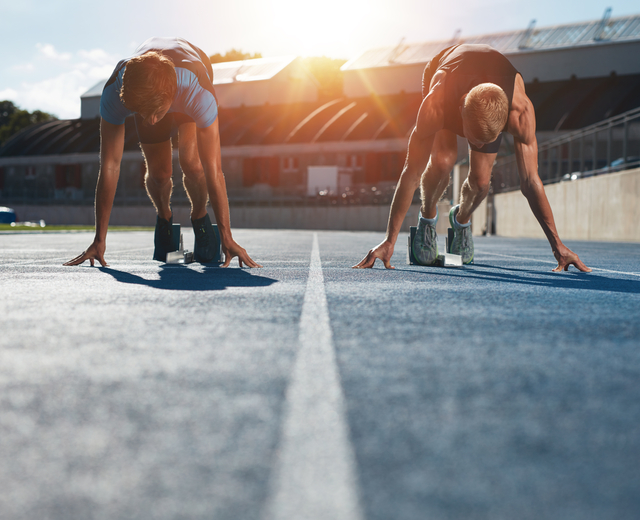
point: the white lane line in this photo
(556, 263)
(315, 477)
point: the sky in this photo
(55, 50)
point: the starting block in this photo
(217, 259)
(179, 256)
(182, 256)
(447, 259)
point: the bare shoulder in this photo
(522, 117)
(431, 114)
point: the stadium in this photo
(275, 131)
(286, 367)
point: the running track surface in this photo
(308, 389)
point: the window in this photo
(355, 161)
(290, 164)
(68, 176)
(385, 166)
(260, 170)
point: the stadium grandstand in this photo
(274, 126)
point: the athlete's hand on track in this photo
(383, 251)
(566, 257)
(234, 250)
(94, 252)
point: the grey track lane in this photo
(500, 390)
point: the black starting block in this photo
(447, 259)
(182, 256)
(176, 236)
(218, 258)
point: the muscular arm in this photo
(429, 122)
(111, 149)
(209, 150)
(526, 149)
(522, 125)
(419, 150)
(210, 156)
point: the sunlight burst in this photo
(319, 28)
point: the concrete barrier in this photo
(346, 218)
(606, 207)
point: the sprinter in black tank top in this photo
(468, 66)
(472, 91)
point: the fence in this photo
(609, 146)
(40, 194)
(75, 184)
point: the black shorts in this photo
(427, 76)
(163, 130)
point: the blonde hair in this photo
(149, 82)
(487, 108)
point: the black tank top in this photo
(467, 66)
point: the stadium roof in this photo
(249, 70)
(304, 123)
(597, 32)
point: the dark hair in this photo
(148, 83)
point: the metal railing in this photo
(609, 146)
(45, 194)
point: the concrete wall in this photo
(606, 208)
(383, 81)
(291, 85)
(277, 91)
(479, 220)
(89, 107)
(348, 218)
(594, 60)
(589, 61)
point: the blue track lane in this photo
(499, 390)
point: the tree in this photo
(7, 109)
(327, 73)
(234, 55)
(13, 119)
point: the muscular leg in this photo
(476, 186)
(157, 179)
(193, 178)
(435, 178)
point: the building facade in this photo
(273, 126)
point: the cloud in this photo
(59, 95)
(60, 90)
(96, 56)
(8, 93)
(24, 67)
(49, 51)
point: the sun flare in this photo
(318, 28)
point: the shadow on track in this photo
(181, 278)
(570, 280)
